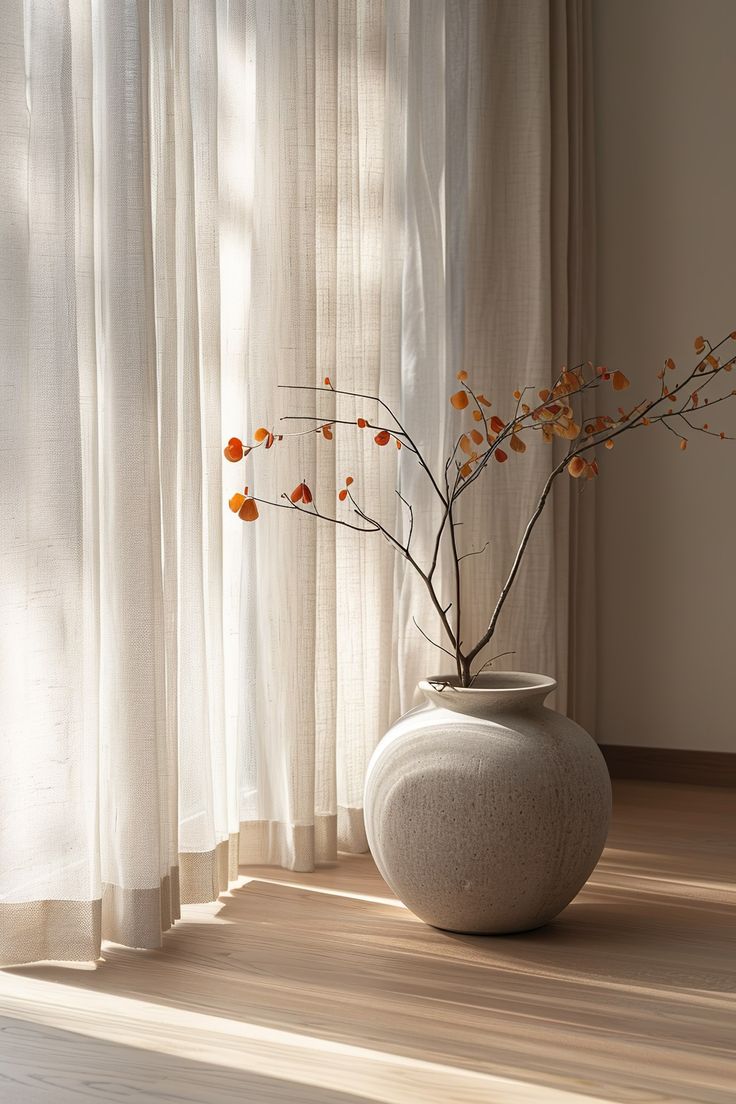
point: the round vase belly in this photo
(485, 811)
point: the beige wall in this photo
(666, 165)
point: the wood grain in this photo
(323, 989)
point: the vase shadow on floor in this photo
(647, 943)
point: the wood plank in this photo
(323, 988)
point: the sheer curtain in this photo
(203, 201)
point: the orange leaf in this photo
(500, 455)
(327, 433)
(343, 494)
(683, 444)
(569, 431)
(478, 417)
(298, 493)
(236, 502)
(462, 376)
(713, 361)
(459, 400)
(476, 436)
(307, 494)
(249, 510)
(383, 437)
(327, 382)
(517, 395)
(699, 344)
(544, 395)
(620, 382)
(576, 467)
(483, 400)
(233, 450)
(465, 471)
(270, 440)
(496, 424)
(669, 363)
(609, 444)
(260, 434)
(348, 481)
(517, 444)
(398, 443)
(465, 444)
(591, 469)
(362, 423)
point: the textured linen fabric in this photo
(204, 201)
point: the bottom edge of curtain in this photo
(204, 875)
(301, 847)
(73, 931)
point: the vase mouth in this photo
(492, 692)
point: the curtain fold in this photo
(205, 202)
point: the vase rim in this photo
(492, 682)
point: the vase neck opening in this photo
(491, 693)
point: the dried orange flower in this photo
(249, 510)
(459, 400)
(234, 450)
(301, 493)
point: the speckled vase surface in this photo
(485, 811)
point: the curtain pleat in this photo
(208, 208)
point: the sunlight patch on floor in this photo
(302, 1059)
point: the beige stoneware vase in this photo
(486, 811)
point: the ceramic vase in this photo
(486, 811)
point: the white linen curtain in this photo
(203, 201)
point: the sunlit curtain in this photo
(202, 202)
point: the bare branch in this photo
(430, 641)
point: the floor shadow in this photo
(45, 1065)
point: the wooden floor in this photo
(323, 989)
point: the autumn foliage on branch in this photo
(681, 404)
